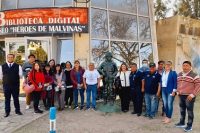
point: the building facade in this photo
(124, 27)
(179, 40)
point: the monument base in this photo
(109, 107)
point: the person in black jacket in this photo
(11, 74)
(68, 85)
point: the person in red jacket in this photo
(36, 77)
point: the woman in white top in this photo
(125, 87)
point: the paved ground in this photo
(14, 122)
(69, 121)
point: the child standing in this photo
(59, 88)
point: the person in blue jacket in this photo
(169, 86)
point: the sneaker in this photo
(87, 109)
(70, 107)
(146, 115)
(151, 117)
(76, 107)
(27, 107)
(187, 129)
(180, 125)
(94, 109)
(81, 107)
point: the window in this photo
(143, 8)
(144, 29)
(63, 2)
(123, 26)
(67, 50)
(98, 50)
(99, 23)
(8, 4)
(99, 3)
(146, 52)
(127, 52)
(182, 29)
(35, 3)
(123, 5)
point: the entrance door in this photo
(22, 47)
(65, 50)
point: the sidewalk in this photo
(14, 122)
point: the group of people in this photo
(147, 84)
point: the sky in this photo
(170, 5)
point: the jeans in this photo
(151, 101)
(91, 89)
(81, 91)
(189, 105)
(168, 101)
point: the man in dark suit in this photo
(11, 73)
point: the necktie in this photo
(10, 65)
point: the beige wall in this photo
(82, 48)
(166, 38)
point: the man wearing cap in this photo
(188, 87)
(152, 90)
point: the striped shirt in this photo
(188, 84)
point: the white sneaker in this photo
(70, 107)
(27, 107)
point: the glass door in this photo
(16, 46)
(40, 47)
(65, 50)
(22, 47)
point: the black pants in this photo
(36, 98)
(184, 104)
(125, 98)
(69, 96)
(48, 100)
(11, 90)
(137, 99)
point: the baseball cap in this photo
(152, 64)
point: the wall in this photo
(166, 38)
(82, 48)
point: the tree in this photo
(188, 8)
(21, 49)
(160, 9)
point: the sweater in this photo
(37, 78)
(188, 84)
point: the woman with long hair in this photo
(48, 93)
(125, 87)
(36, 77)
(68, 84)
(76, 75)
(59, 87)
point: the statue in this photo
(108, 69)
